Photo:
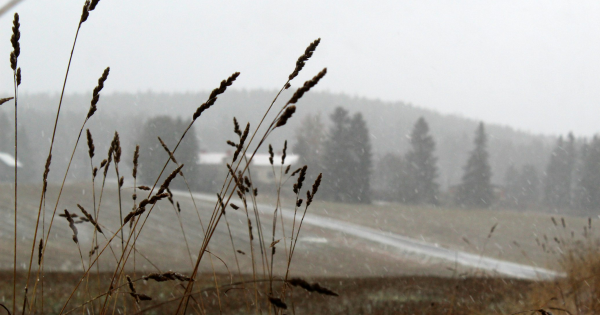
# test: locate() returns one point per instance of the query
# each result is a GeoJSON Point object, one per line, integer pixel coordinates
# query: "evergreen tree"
{"type": "Point", "coordinates": [559, 174]}
{"type": "Point", "coordinates": [360, 154]}
{"type": "Point", "coordinates": [153, 156]}
{"type": "Point", "coordinates": [347, 159]}
{"type": "Point", "coordinates": [590, 180]}
{"type": "Point", "coordinates": [476, 188]}
{"type": "Point", "coordinates": [421, 168]}
{"type": "Point", "coordinates": [337, 167]}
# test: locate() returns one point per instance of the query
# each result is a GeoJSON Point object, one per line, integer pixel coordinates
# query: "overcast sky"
{"type": "Point", "coordinates": [532, 65]}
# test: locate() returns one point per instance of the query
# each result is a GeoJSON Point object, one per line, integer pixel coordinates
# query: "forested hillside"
{"type": "Point", "coordinates": [389, 123]}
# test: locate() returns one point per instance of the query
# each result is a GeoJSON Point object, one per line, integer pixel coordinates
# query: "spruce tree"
{"type": "Point", "coordinates": [421, 168]}
{"type": "Point", "coordinates": [360, 154]}
{"type": "Point", "coordinates": [590, 180]}
{"type": "Point", "coordinates": [337, 173]}
{"type": "Point", "coordinates": [476, 188]}
{"type": "Point", "coordinates": [559, 174]}
{"type": "Point", "coordinates": [347, 159]}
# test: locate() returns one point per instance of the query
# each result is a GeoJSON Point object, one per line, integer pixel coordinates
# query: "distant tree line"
{"type": "Point", "coordinates": [343, 153]}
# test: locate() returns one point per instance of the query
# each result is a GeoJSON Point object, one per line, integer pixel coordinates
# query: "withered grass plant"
{"type": "Point", "coordinates": [266, 292]}
{"type": "Point", "coordinates": [577, 290]}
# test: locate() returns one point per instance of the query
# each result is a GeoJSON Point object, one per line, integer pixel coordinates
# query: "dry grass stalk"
{"type": "Point", "coordinates": [96, 93]}
{"type": "Point", "coordinates": [72, 225]}
{"type": "Point", "coordinates": [311, 287]}
{"type": "Point", "coordinates": [284, 154]}
{"type": "Point", "coordinates": [168, 180]}
{"type": "Point", "coordinates": [307, 86]}
{"type": "Point", "coordinates": [4, 100]}
{"type": "Point", "coordinates": [136, 157]}
{"type": "Point", "coordinates": [40, 249]}
{"type": "Point", "coordinates": [287, 114]}
{"type": "Point", "coordinates": [90, 218]}
{"type": "Point", "coordinates": [213, 95]}
{"type": "Point", "coordinates": [277, 302]}
{"type": "Point", "coordinates": [90, 143]}
{"type": "Point", "coordinates": [302, 59]}
{"type": "Point", "coordinates": [167, 276]}
{"type": "Point", "coordinates": [16, 35]}
{"type": "Point", "coordinates": [236, 127]}
{"type": "Point", "coordinates": [168, 151]}
{"type": "Point", "coordinates": [298, 185]}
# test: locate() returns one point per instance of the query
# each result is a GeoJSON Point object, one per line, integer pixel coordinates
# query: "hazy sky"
{"type": "Point", "coordinates": [533, 65]}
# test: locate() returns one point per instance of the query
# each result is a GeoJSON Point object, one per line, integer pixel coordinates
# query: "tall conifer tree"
{"type": "Point", "coordinates": [347, 159]}
{"type": "Point", "coordinates": [590, 180]}
{"type": "Point", "coordinates": [559, 174]}
{"type": "Point", "coordinates": [360, 152]}
{"type": "Point", "coordinates": [337, 169]}
{"type": "Point", "coordinates": [476, 189]}
{"type": "Point", "coordinates": [421, 168]}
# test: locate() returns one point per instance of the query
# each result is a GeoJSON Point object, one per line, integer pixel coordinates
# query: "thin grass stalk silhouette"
{"type": "Point", "coordinates": [83, 18]}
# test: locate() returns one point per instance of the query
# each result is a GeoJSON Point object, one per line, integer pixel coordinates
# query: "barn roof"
{"type": "Point", "coordinates": [260, 159]}
{"type": "Point", "coordinates": [9, 160]}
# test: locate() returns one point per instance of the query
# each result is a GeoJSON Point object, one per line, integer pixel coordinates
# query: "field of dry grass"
{"type": "Point", "coordinates": [371, 295]}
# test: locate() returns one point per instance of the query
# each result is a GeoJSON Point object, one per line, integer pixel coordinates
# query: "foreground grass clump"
{"type": "Point", "coordinates": [109, 236]}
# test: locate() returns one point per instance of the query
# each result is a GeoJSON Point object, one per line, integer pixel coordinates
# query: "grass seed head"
{"type": "Point", "coordinates": [287, 114]}
{"type": "Point", "coordinates": [90, 143]}
{"type": "Point", "coordinates": [136, 157]}
{"type": "Point", "coordinates": [14, 39]}
{"type": "Point", "coordinates": [308, 52]}
{"type": "Point", "coordinates": [307, 86]}
{"type": "Point", "coordinates": [213, 95]}
{"type": "Point", "coordinates": [96, 93]}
